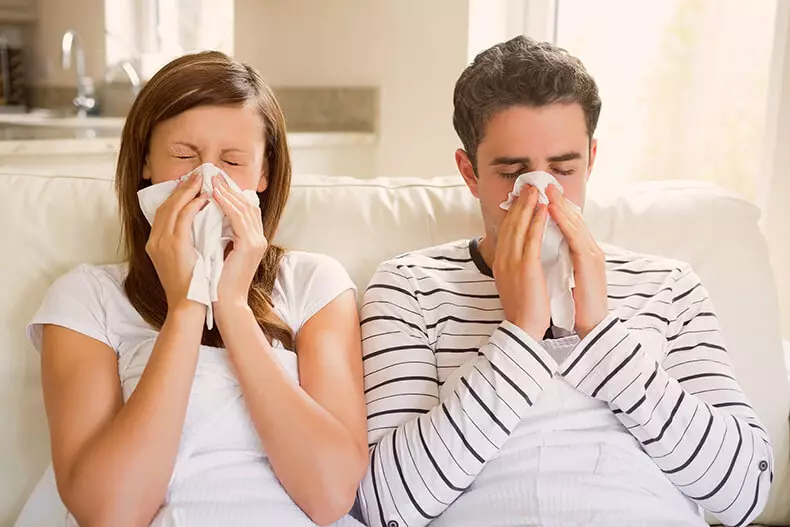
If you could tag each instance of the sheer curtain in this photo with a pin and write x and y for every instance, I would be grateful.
(692, 89)
(150, 33)
(684, 83)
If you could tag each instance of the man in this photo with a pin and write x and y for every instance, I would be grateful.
(480, 413)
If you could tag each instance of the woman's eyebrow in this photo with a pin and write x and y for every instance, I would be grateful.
(186, 144)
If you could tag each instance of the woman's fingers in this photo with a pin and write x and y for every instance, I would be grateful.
(231, 210)
(250, 212)
(188, 213)
(167, 214)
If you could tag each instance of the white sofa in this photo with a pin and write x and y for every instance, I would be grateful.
(52, 222)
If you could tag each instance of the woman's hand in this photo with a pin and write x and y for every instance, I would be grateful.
(170, 244)
(249, 246)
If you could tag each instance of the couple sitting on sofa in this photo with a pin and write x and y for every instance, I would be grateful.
(490, 401)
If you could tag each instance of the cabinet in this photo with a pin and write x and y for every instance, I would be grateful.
(17, 11)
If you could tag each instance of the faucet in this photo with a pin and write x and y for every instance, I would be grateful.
(84, 100)
(128, 68)
(5, 70)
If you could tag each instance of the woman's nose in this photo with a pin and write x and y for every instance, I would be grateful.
(210, 158)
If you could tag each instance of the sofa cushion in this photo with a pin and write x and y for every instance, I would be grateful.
(52, 223)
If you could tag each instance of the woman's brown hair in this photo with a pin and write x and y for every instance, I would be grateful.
(201, 79)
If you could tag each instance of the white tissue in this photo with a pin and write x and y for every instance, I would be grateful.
(554, 253)
(211, 232)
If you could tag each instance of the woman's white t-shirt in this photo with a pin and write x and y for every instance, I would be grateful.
(222, 475)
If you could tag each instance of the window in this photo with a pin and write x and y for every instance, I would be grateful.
(150, 33)
(684, 84)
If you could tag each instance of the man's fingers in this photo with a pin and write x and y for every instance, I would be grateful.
(557, 198)
(568, 228)
(522, 212)
(571, 218)
(535, 233)
(506, 232)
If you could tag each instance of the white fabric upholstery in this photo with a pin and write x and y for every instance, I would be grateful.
(52, 222)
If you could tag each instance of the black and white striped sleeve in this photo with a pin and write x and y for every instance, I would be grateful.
(686, 408)
(427, 445)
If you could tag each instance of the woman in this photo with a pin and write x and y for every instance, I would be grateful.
(156, 419)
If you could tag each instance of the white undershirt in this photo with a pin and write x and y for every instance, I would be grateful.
(221, 475)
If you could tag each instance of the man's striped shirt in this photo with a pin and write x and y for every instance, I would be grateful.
(473, 422)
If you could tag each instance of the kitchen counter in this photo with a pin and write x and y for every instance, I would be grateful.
(112, 144)
(334, 153)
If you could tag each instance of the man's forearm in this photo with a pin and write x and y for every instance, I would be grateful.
(420, 466)
(720, 459)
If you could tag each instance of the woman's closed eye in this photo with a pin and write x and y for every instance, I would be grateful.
(231, 163)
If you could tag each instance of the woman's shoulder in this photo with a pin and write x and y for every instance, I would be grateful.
(309, 281)
(90, 276)
(80, 300)
(108, 278)
(303, 264)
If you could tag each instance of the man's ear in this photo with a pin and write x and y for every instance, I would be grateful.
(593, 154)
(467, 170)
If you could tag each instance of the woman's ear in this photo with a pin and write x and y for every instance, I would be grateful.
(146, 169)
(263, 182)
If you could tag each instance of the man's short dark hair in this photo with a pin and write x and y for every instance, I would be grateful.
(519, 72)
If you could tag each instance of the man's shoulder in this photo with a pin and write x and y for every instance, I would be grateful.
(624, 263)
(431, 268)
(449, 255)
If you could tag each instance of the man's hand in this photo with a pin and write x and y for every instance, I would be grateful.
(589, 263)
(517, 269)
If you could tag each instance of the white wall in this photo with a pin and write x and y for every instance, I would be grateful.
(55, 17)
(413, 50)
(776, 190)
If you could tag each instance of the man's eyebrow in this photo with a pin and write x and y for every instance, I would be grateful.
(507, 160)
(570, 156)
(510, 161)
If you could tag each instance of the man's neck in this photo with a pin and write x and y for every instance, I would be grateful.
(487, 248)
